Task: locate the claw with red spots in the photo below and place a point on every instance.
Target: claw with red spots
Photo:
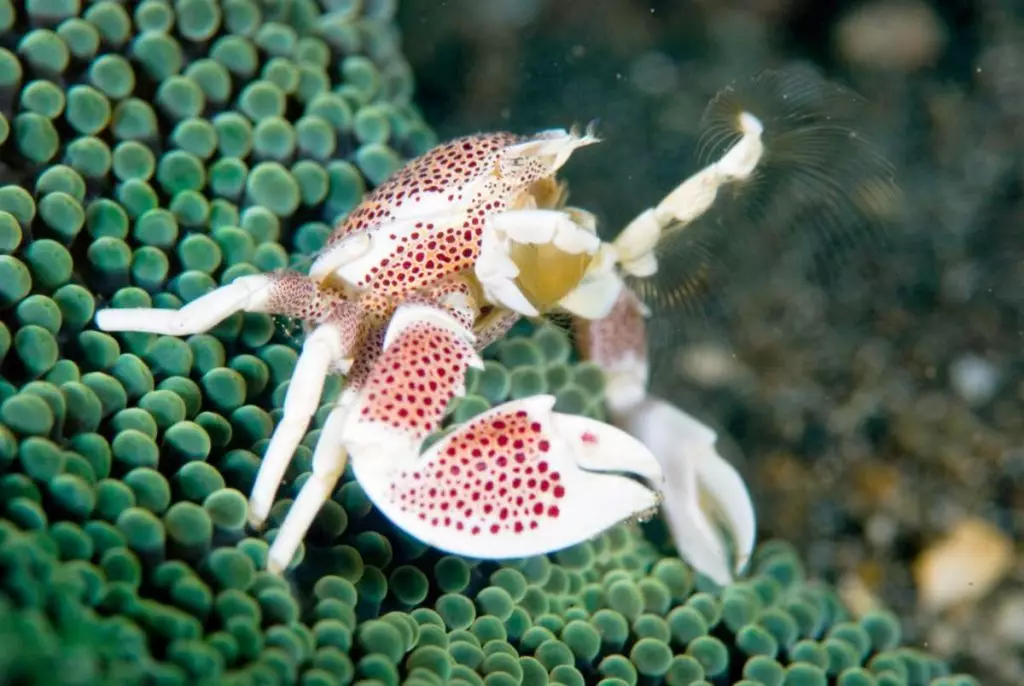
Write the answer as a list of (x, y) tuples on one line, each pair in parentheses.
[(403, 399), (515, 481)]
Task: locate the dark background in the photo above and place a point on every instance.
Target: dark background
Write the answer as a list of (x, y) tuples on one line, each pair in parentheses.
[(875, 408)]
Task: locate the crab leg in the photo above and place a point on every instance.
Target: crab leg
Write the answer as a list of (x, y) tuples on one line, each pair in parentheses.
[(386, 410), (326, 350), (284, 293), (633, 250), (494, 325), (518, 480), (329, 461), (703, 492), (426, 354), (431, 325)]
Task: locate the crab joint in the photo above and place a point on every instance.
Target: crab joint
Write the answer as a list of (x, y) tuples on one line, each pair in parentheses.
[(690, 199), (706, 504)]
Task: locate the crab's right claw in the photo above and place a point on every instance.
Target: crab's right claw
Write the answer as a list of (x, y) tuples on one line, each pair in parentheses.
[(707, 505), (426, 352), (516, 481), (530, 258)]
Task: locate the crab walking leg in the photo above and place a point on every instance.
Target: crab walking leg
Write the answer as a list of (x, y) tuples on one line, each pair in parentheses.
[(493, 326), (689, 200), (329, 460), (325, 350), (684, 446), (285, 293)]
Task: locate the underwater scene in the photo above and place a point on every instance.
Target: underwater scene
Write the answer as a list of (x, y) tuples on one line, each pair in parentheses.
[(498, 342)]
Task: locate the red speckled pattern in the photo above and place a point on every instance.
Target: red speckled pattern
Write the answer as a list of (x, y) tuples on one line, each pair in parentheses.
[(467, 174), (624, 330), (413, 380), (369, 351), (495, 475), (428, 255), (446, 168), (440, 295), (295, 295)]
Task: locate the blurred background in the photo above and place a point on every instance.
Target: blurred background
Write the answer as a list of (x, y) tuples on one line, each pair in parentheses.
[(875, 409)]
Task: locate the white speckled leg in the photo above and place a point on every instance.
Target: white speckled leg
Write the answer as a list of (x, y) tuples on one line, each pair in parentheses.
[(704, 494), (325, 347), (246, 293), (286, 293), (329, 460)]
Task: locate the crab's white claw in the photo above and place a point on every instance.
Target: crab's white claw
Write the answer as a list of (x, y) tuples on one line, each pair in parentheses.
[(515, 481), (247, 293), (495, 269), (706, 503), (403, 399), (425, 355), (601, 447)]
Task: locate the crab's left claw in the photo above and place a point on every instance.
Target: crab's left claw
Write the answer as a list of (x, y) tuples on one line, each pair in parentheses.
[(707, 505), (516, 481)]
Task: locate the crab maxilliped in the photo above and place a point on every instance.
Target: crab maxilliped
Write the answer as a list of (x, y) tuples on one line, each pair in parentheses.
[(441, 260)]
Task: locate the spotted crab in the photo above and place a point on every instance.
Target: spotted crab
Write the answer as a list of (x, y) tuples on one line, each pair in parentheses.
[(441, 260)]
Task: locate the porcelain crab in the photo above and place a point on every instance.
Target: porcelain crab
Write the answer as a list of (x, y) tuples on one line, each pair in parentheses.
[(434, 265)]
